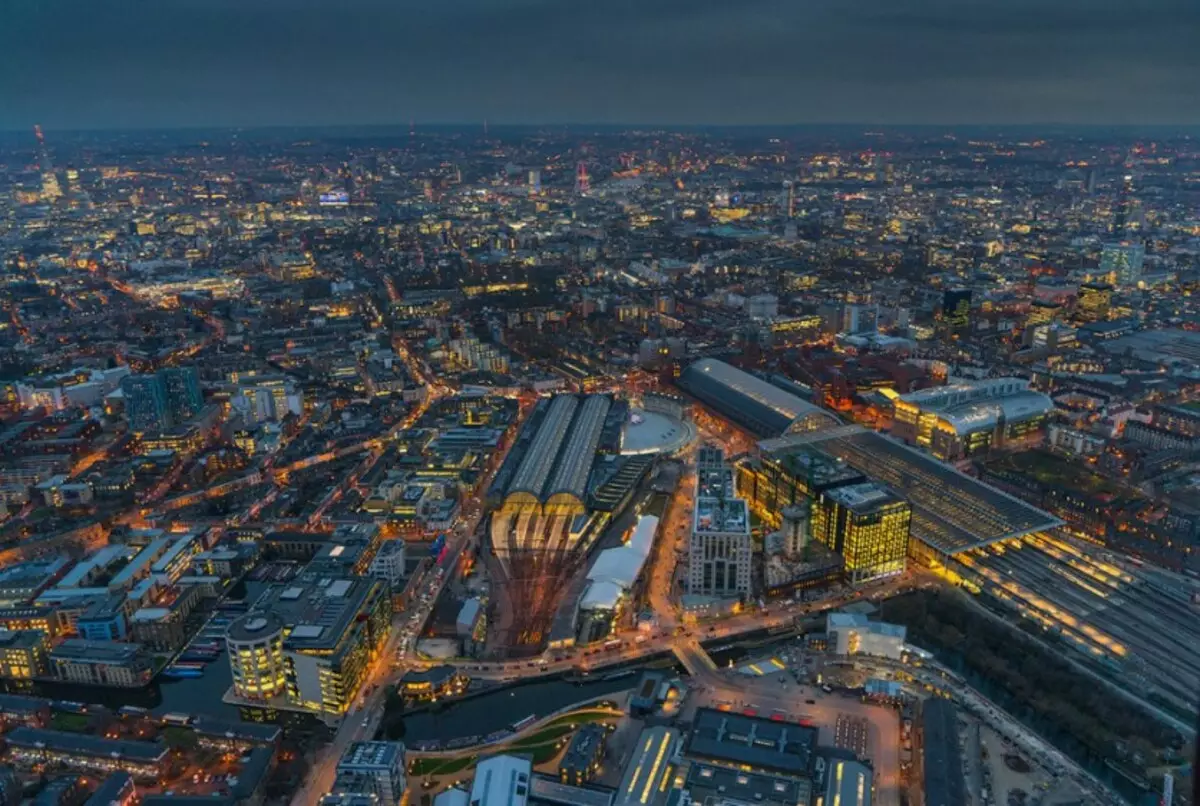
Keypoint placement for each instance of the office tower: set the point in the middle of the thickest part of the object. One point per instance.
(374, 769)
(720, 551)
(1121, 217)
(182, 386)
(956, 308)
(1093, 302)
(256, 657)
(868, 525)
(583, 182)
(535, 182)
(321, 633)
(51, 190)
(145, 403)
(858, 319)
(1121, 263)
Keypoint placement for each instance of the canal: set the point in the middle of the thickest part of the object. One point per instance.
(493, 711)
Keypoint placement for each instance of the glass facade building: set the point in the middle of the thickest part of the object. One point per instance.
(868, 525)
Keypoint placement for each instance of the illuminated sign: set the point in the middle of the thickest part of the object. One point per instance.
(336, 199)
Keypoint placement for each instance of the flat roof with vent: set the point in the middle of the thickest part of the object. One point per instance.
(317, 611)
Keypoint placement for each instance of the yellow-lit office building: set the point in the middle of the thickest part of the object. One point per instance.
(868, 525)
(966, 419)
(23, 654)
(311, 641)
(775, 481)
(255, 645)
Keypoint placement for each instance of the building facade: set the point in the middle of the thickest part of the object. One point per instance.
(867, 525)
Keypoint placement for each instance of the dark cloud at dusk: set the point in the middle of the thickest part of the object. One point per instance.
(150, 63)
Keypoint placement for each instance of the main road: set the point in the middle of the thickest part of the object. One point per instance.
(362, 722)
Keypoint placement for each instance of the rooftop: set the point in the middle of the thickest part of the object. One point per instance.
(765, 409)
(649, 765)
(318, 610)
(96, 651)
(721, 515)
(943, 765)
(863, 498)
(858, 621)
(83, 744)
(361, 756)
(716, 781)
(758, 743)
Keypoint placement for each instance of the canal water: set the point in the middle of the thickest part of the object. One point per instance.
(494, 711)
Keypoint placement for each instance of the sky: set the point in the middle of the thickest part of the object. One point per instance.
(81, 64)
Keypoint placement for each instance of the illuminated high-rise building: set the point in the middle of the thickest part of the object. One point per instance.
(145, 403)
(1121, 263)
(51, 189)
(535, 182)
(868, 525)
(310, 641)
(256, 659)
(182, 387)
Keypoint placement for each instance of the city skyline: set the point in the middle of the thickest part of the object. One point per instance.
(70, 65)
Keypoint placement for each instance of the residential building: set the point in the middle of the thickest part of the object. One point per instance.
(142, 760)
(388, 564)
(23, 654)
(182, 388)
(1121, 263)
(101, 663)
(581, 761)
(372, 768)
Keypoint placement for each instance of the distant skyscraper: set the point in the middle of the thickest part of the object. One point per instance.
(1123, 262)
(51, 189)
(1121, 217)
(583, 182)
(535, 182)
(182, 386)
(145, 403)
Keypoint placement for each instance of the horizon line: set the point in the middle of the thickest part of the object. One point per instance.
(482, 125)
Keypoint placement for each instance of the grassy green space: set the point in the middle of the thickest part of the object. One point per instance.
(580, 718)
(544, 752)
(75, 723)
(442, 766)
(548, 734)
